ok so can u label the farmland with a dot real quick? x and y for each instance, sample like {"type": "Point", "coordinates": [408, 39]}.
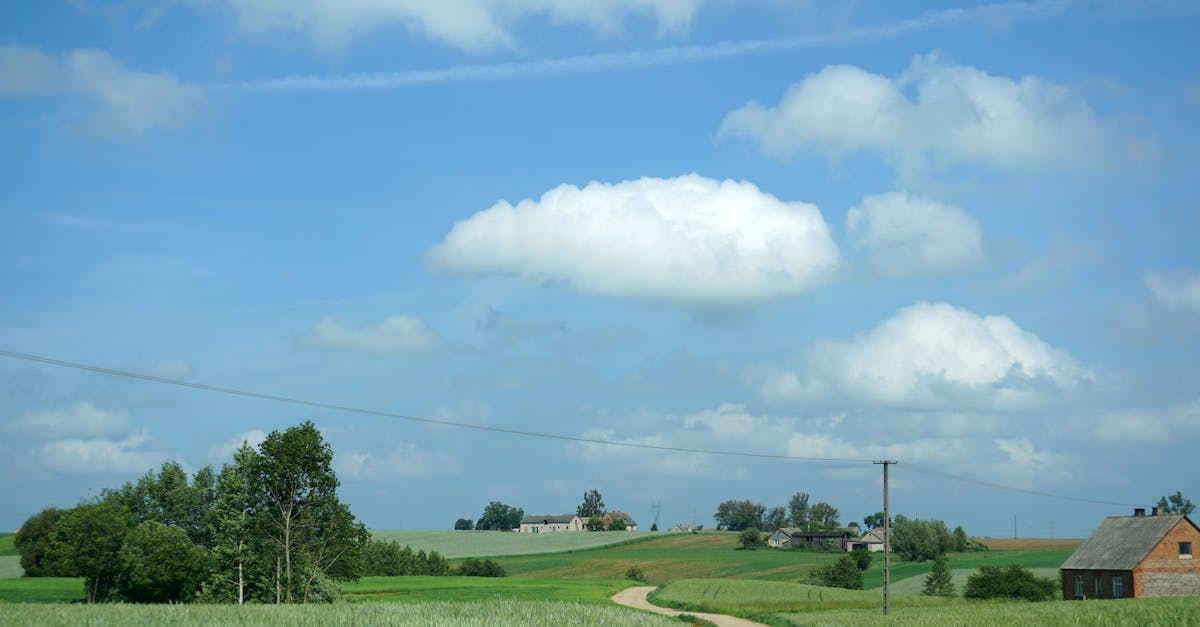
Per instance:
{"type": "Point", "coordinates": [461, 544]}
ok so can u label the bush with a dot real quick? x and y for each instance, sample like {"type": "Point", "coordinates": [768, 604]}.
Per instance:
{"type": "Point", "coordinates": [843, 573]}
{"type": "Point", "coordinates": [159, 564]}
{"type": "Point", "coordinates": [938, 582]}
{"type": "Point", "coordinates": [750, 538]}
{"type": "Point", "coordinates": [1010, 582]}
{"type": "Point", "coordinates": [479, 568]}
{"type": "Point", "coordinates": [862, 558]}
{"type": "Point", "coordinates": [386, 558]}
{"type": "Point", "coordinates": [636, 574]}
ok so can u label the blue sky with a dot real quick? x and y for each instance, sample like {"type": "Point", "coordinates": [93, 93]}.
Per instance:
{"type": "Point", "coordinates": [958, 236]}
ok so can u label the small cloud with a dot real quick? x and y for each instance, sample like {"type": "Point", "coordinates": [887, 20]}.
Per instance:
{"type": "Point", "coordinates": [403, 460]}
{"type": "Point", "coordinates": [905, 235]}
{"type": "Point", "coordinates": [690, 241]}
{"type": "Point", "coordinates": [397, 335]}
{"type": "Point", "coordinates": [933, 117]}
{"type": "Point", "coordinates": [104, 456]}
{"type": "Point", "coordinates": [81, 420]}
{"type": "Point", "coordinates": [225, 450]}
{"type": "Point", "coordinates": [120, 101]}
{"type": "Point", "coordinates": [1179, 292]}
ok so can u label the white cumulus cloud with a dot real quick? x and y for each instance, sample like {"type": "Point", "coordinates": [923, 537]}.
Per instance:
{"type": "Point", "coordinates": [906, 235]}
{"type": "Point", "coordinates": [224, 451]}
{"type": "Point", "coordinates": [933, 116]}
{"type": "Point", "coordinates": [691, 241]}
{"type": "Point", "coordinates": [934, 355]}
{"type": "Point", "coordinates": [397, 335]}
{"type": "Point", "coordinates": [119, 101]}
{"type": "Point", "coordinates": [81, 420]}
{"type": "Point", "coordinates": [403, 460]}
{"type": "Point", "coordinates": [127, 456]}
{"type": "Point", "coordinates": [467, 24]}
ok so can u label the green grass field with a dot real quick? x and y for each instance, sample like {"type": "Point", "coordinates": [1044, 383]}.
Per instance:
{"type": "Point", "coordinates": [6, 544]}
{"type": "Point", "coordinates": [10, 567]}
{"type": "Point", "coordinates": [900, 570]}
{"type": "Point", "coordinates": [668, 557]}
{"type": "Point", "coordinates": [41, 590]}
{"type": "Point", "coordinates": [463, 544]}
{"type": "Point", "coordinates": [467, 614]}
{"type": "Point", "coordinates": [1143, 612]}
{"type": "Point", "coordinates": [914, 585]}
{"type": "Point", "coordinates": [751, 597]}
{"type": "Point", "coordinates": [420, 589]}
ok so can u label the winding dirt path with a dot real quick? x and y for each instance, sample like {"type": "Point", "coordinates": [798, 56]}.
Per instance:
{"type": "Point", "coordinates": [635, 597]}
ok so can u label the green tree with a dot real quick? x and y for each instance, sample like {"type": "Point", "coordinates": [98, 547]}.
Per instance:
{"type": "Point", "coordinates": [87, 540]}
{"type": "Point", "coordinates": [798, 510]}
{"type": "Point", "coordinates": [33, 543]}
{"type": "Point", "coordinates": [464, 524]}
{"type": "Point", "coordinates": [593, 504]}
{"type": "Point", "coordinates": [824, 516]}
{"type": "Point", "coordinates": [739, 515]}
{"type": "Point", "coordinates": [750, 538]}
{"type": "Point", "coordinates": [233, 520]}
{"type": "Point", "coordinates": [843, 573]}
{"type": "Point", "coordinates": [306, 530]}
{"type": "Point", "coordinates": [160, 564]}
{"type": "Point", "coordinates": [874, 521]}
{"type": "Point", "coordinates": [1175, 504]}
{"type": "Point", "coordinates": [167, 497]}
{"type": "Point", "coordinates": [920, 540]}
{"type": "Point", "coordinates": [472, 567]}
{"type": "Point", "coordinates": [1009, 582]}
{"type": "Point", "coordinates": [862, 558]}
{"type": "Point", "coordinates": [938, 582]}
{"type": "Point", "coordinates": [775, 518]}
{"type": "Point", "coordinates": [618, 524]}
{"type": "Point", "coordinates": [499, 517]}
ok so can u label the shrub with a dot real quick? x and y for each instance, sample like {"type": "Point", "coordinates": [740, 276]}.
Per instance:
{"type": "Point", "coordinates": [1010, 582]}
{"type": "Point", "coordinates": [862, 558]}
{"type": "Point", "coordinates": [938, 582]}
{"type": "Point", "coordinates": [480, 568]}
{"type": "Point", "coordinates": [843, 573]}
{"type": "Point", "coordinates": [750, 538]}
{"type": "Point", "coordinates": [636, 574]}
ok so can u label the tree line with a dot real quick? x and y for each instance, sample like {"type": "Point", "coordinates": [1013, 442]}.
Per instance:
{"type": "Point", "coordinates": [734, 515]}
{"type": "Point", "coordinates": [268, 527]}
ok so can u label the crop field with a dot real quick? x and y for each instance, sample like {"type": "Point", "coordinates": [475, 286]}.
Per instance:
{"type": "Point", "coordinates": [747, 597]}
{"type": "Point", "coordinates": [1142, 612]}
{"type": "Point", "coordinates": [668, 557]}
{"type": "Point", "coordinates": [1030, 544]}
{"type": "Point", "coordinates": [417, 589]}
{"type": "Point", "coordinates": [480, 613]}
{"type": "Point", "coordinates": [41, 590]}
{"type": "Point", "coordinates": [6, 544]}
{"type": "Point", "coordinates": [914, 585]}
{"type": "Point", "coordinates": [10, 567]}
{"type": "Point", "coordinates": [463, 544]}
{"type": "Point", "coordinates": [1032, 559]}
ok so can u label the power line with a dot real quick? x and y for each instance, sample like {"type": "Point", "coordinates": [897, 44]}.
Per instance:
{"type": "Point", "coordinates": [998, 486]}
{"type": "Point", "coordinates": [398, 416]}
{"type": "Point", "coordinates": [533, 434]}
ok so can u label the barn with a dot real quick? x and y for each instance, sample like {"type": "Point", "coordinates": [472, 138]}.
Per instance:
{"type": "Point", "coordinates": [1135, 556]}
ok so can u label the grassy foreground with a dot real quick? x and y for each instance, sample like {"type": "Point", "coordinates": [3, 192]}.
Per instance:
{"type": "Point", "coordinates": [462, 544]}
{"type": "Point", "coordinates": [419, 589]}
{"type": "Point", "coordinates": [752, 598]}
{"type": "Point", "coordinates": [1141, 612]}
{"type": "Point", "coordinates": [467, 614]}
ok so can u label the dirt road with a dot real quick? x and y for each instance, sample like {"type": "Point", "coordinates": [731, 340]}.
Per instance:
{"type": "Point", "coordinates": [636, 597]}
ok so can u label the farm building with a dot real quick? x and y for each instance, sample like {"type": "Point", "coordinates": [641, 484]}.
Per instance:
{"type": "Point", "coordinates": [630, 524]}
{"type": "Point", "coordinates": [1135, 556]}
{"type": "Point", "coordinates": [543, 523]}
{"type": "Point", "coordinates": [871, 541]}
{"type": "Point", "coordinates": [791, 537]}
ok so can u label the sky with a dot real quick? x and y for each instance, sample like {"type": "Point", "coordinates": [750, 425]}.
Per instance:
{"type": "Point", "coordinates": [957, 236]}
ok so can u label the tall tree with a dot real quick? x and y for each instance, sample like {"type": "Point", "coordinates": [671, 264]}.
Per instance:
{"type": "Point", "coordinates": [874, 521]}
{"type": "Point", "coordinates": [233, 523]}
{"type": "Point", "coordinates": [33, 543]}
{"type": "Point", "coordinates": [300, 512]}
{"type": "Point", "coordinates": [739, 515]}
{"type": "Point", "coordinates": [593, 504]}
{"type": "Point", "coordinates": [499, 517]}
{"type": "Point", "coordinates": [776, 518]}
{"type": "Point", "coordinates": [167, 497]}
{"type": "Point", "coordinates": [1175, 504]}
{"type": "Point", "coordinates": [160, 564]}
{"type": "Point", "coordinates": [824, 516]}
{"type": "Point", "coordinates": [798, 510]}
{"type": "Point", "coordinates": [87, 539]}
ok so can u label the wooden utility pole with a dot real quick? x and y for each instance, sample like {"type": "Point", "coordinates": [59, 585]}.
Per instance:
{"type": "Point", "coordinates": [887, 542]}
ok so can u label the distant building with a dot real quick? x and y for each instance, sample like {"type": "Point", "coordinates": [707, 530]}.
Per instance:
{"type": "Point", "coordinates": [609, 517]}
{"type": "Point", "coordinates": [544, 523]}
{"type": "Point", "coordinates": [1135, 556]}
{"type": "Point", "coordinates": [791, 537]}
{"type": "Point", "coordinates": [871, 541]}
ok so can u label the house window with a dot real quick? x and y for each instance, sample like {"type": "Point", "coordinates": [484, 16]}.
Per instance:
{"type": "Point", "coordinates": [1118, 588]}
{"type": "Point", "coordinates": [1078, 586]}
{"type": "Point", "coordinates": [1185, 550]}
{"type": "Point", "coordinates": [1099, 587]}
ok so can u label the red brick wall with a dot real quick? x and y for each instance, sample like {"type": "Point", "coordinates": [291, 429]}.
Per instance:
{"type": "Point", "coordinates": [1089, 583]}
{"type": "Point", "coordinates": [1170, 575]}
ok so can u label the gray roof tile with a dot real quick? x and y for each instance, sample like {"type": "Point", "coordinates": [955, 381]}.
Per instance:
{"type": "Point", "coordinates": [1122, 542]}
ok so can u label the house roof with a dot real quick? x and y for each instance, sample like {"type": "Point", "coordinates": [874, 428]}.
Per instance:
{"type": "Point", "coordinates": [623, 516]}
{"type": "Point", "coordinates": [800, 533]}
{"type": "Point", "coordinates": [1122, 542]}
{"type": "Point", "coordinates": [545, 519]}
{"type": "Point", "coordinates": [874, 535]}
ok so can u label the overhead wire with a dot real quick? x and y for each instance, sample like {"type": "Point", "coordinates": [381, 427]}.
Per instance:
{"type": "Point", "coordinates": [526, 433]}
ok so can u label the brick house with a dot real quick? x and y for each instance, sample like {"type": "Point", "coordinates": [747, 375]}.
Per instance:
{"type": "Point", "coordinates": [545, 523]}
{"type": "Point", "coordinates": [1135, 556]}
